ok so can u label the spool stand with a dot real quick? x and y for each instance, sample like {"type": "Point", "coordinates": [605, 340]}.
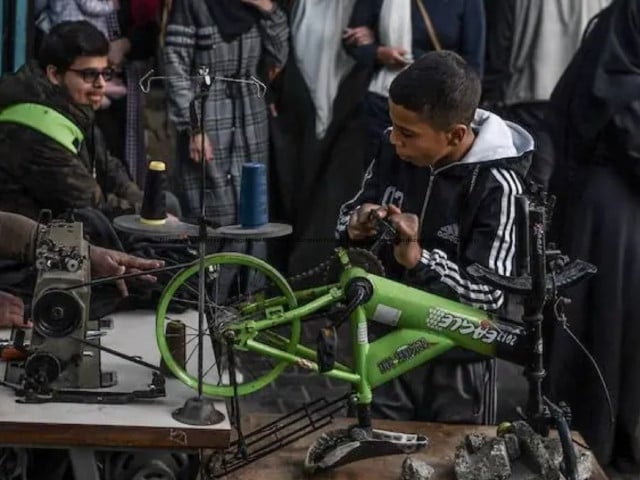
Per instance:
{"type": "Point", "coordinates": [153, 220]}
{"type": "Point", "coordinates": [201, 410]}
{"type": "Point", "coordinates": [253, 211]}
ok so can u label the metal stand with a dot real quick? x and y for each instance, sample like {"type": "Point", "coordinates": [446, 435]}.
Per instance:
{"type": "Point", "coordinates": [201, 410]}
{"type": "Point", "coordinates": [251, 235]}
{"type": "Point", "coordinates": [170, 230]}
{"type": "Point", "coordinates": [83, 463]}
{"type": "Point", "coordinates": [264, 232]}
{"type": "Point", "coordinates": [198, 411]}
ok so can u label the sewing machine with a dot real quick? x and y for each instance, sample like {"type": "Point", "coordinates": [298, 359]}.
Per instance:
{"type": "Point", "coordinates": [60, 314]}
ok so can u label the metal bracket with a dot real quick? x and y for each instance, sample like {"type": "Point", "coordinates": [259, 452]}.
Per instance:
{"type": "Point", "coordinates": [275, 435]}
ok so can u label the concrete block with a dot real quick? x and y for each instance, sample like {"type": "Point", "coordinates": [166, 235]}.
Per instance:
{"type": "Point", "coordinates": [513, 446]}
{"type": "Point", "coordinates": [475, 441]}
{"type": "Point", "coordinates": [491, 462]}
{"type": "Point", "coordinates": [534, 452]}
{"type": "Point", "coordinates": [414, 469]}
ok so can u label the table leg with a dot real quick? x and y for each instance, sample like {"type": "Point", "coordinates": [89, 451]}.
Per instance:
{"type": "Point", "coordinates": [83, 463]}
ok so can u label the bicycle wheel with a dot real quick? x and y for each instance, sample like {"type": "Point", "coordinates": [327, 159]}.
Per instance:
{"type": "Point", "coordinates": [243, 291]}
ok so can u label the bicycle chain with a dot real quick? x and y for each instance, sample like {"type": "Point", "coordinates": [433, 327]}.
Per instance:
{"type": "Point", "coordinates": [318, 270]}
{"type": "Point", "coordinates": [358, 257]}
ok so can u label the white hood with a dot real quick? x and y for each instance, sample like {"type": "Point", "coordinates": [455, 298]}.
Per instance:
{"type": "Point", "coordinates": [496, 139]}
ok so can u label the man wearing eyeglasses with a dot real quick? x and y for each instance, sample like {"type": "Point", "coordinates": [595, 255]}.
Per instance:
{"type": "Point", "coordinates": [51, 153]}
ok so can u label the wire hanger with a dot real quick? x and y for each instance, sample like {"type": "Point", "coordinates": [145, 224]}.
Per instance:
{"type": "Point", "coordinates": [148, 78]}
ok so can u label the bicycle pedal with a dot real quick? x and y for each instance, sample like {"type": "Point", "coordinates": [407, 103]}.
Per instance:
{"type": "Point", "coordinates": [327, 348]}
{"type": "Point", "coordinates": [342, 446]}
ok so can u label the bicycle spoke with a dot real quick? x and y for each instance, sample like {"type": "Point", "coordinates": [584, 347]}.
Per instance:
{"type": "Point", "coordinates": [184, 300]}
{"type": "Point", "coordinates": [236, 283]}
{"type": "Point", "coordinates": [189, 327]}
{"type": "Point", "coordinates": [195, 349]}
{"type": "Point", "coordinates": [193, 289]}
{"type": "Point", "coordinates": [193, 337]}
{"type": "Point", "coordinates": [209, 369]}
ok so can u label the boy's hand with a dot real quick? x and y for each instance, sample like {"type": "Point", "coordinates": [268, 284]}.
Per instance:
{"type": "Point", "coordinates": [407, 250]}
{"type": "Point", "coordinates": [360, 224]}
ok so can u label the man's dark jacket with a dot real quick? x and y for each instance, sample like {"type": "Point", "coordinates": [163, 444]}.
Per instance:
{"type": "Point", "coordinates": [37, 172]}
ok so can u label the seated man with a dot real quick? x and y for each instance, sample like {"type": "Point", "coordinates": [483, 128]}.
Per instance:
{"type": "Point", "coordinates": [51, 153]}
{"type": "Point", "coordinates": [446, 176]}
{"type": "Point", "coordinates": [18, 243]}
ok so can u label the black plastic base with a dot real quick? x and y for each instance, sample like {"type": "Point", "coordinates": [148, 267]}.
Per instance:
{"type": "Point", "coordinates": [198, 411]}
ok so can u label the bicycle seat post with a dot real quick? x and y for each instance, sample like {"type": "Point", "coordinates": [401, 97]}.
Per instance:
{"type": "Point", "coordinates": [533, 317]}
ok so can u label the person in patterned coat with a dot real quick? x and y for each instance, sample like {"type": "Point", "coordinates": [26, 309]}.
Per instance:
{"type": "Point", "coordinates": [233, 38]}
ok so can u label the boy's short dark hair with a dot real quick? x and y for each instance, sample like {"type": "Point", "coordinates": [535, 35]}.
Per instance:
{"type": "Point", "coordinates": [441, 87]}
{"type": "Point", "coordinates": [70, 40]}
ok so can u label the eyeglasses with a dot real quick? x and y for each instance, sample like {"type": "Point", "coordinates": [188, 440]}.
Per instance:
{"type": "Point", "coordinates": [90, 75]}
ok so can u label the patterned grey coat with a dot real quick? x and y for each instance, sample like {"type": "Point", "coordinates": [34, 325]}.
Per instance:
{"type": "Point", "coordinates": [235, 118]}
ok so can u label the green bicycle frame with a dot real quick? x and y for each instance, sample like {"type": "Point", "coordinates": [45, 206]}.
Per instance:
{"type": "Point", "coordinates": [422, 327]}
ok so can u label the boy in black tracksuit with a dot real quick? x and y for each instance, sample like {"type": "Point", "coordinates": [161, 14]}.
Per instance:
{"type": "Point", "coordinates": [446, 175]}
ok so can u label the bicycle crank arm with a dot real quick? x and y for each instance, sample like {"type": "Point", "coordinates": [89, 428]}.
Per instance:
{"type": "Point", "coordinates": [343, 446]}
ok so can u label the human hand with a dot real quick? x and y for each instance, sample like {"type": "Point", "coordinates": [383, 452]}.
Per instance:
{"type": "Point", "coordinates": [115, 89]}
{"type": "Point", "coordinates": [361, 225]}
{"type": "Point", "coordinates": [358, 36]}
{"type": "Point", "coordinates": [12, 311]}
{"type": "Point", "coordinates": [111, 263]}
{"type": "Point", "coordinates": [406, 250]}
{"type": "Point", "coordinates": [266, 6]}
{"type": "Point", "coordinates": [118, 50]}
{"type": "Point", "coordinates": [392, 57]}
{"type": "Point", "coordinates": [195, 148]}
{"type": "Point", "coordinates": [172, 218]}
{"type": "Point", "coordinates": [273, 73]}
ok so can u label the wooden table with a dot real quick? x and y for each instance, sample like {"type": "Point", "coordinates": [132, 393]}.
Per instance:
{"type": "Point", "coordinates": [287, 464]}
{"type": "Point", "coordinates": [137, 425]}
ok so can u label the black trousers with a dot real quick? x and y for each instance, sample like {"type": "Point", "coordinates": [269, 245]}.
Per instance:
{"type": "Point", "coordinates": [456, 387]}
{"type": "Point", "coordinates": [450, 392]}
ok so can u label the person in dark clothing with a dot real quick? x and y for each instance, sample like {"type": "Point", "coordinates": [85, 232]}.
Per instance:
{"type": "Point", "coordinates": [387, 35]}
{"type": "Point", "coordinates": [317, 133]}
{"type": "Point", "coordinates": [595, 117]}
{"type": "Point", "coordinates": [529, 45]}
{"type": "Point", "coordinates": [447, 176]}
{"type": "Point", "coordinates": [232, 39]}
{"type": "Point", "coordinates": [39, 169]}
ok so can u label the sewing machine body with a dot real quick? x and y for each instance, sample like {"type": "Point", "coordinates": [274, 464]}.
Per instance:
{"type": "Point", "coordinates": [59, 315]}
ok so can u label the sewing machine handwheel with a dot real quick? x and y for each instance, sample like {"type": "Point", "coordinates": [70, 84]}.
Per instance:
{"type": "Point", "coordinates": [57, 313]}
{"type": "Point", "coordinates": [230, 304]}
